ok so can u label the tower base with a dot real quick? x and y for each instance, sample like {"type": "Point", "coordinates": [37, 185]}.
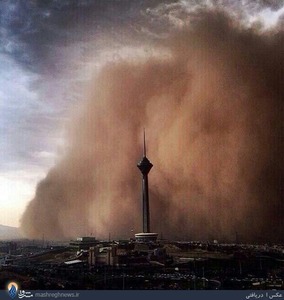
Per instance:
{"type": "Point", "coordinates": [146, 237]}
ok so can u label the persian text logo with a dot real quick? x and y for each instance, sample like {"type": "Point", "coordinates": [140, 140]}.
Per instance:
{"type": "Point", "coordinates": [24, 294]}
{"type": "Point", "coordinates": [12, 289]}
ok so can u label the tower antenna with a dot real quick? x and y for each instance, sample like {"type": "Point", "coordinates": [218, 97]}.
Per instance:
{"type": "Point", "coordinates": [144, 145]}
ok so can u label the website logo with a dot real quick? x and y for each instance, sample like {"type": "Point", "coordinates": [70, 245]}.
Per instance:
{"type": "Point", "coordinates": [24, 294]}
{"type": "Point", "coordinates": [12, 289]}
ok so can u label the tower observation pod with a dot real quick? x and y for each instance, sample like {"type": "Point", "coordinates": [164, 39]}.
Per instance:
{"type": "Point", "coordinates": [145, 166]}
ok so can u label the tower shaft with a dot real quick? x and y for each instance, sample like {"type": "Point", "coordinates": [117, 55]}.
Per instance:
{"type": "Point", "coordinates": [145, 203]}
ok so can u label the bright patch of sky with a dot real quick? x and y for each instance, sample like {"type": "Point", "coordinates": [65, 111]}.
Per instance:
{"type": "Point", "coordinates": [17, 187]}
{"type": "Point", "coordinates": [22, 164]}
{"type": "Point", "coordinates": [268, 17]}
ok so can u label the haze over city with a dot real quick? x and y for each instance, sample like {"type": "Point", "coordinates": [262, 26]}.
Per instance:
{"type": "Point", "coordinates": [81, 79]}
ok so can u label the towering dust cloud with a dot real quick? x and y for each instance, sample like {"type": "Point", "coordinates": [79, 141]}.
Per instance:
{"type": "Point", "coordinates": [213, 111]}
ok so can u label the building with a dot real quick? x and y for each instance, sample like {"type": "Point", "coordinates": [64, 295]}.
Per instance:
{"type": "Point", "coordinates": [84, 243]}
{"type": "Point", "coordinates": [99, 256]}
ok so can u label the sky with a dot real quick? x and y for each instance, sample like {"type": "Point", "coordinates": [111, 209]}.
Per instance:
{"type": "Point", "coordinates": [49, 51]}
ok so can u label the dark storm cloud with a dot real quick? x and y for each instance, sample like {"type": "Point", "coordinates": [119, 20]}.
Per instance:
{"type": "Point", "coordinates": [31, 30]}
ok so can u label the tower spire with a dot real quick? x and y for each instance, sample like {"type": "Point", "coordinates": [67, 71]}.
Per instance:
{"type": "Point", "coordinates": [144, 144]}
